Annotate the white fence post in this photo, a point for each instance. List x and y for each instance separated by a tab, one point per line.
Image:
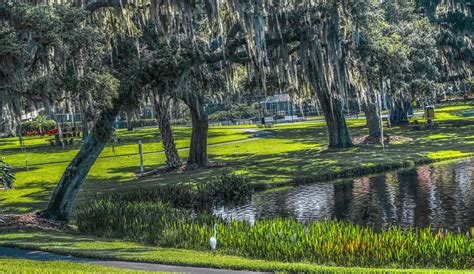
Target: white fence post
140	151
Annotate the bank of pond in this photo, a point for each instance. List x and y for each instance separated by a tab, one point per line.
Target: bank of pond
417	218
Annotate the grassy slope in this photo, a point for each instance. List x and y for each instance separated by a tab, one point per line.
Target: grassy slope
30	266
102	248
296	153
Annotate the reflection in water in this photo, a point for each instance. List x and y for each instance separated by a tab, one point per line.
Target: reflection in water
440	196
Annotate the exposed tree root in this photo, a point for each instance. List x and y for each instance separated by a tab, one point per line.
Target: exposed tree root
31	220
371	140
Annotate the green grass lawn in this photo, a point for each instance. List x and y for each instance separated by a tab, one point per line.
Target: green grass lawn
297	153
103	248
30	266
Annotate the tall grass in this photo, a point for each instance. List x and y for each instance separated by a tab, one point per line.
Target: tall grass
326	242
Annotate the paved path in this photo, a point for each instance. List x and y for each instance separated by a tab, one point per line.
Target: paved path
45	256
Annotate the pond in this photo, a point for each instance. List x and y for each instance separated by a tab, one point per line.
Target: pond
440	196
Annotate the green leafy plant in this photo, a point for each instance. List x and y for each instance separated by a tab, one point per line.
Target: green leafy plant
2	217
6	175
40	123
287	240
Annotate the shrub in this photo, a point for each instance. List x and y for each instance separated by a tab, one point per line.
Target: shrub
144	123
6	175
181	121
37	126
179	195
225	189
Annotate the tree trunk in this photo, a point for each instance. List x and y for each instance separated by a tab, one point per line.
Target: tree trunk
198	147
62	200
331	106
84	121
325	71
85	129
128	116
398	112
9	121
372	116
339	136
162	116
15	112
3	123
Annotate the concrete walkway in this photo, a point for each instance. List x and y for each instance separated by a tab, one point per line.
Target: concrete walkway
45	256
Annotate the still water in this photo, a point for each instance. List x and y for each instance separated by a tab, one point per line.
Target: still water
441	196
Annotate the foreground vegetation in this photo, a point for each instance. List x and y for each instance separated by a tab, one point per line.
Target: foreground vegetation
287	240
103	248
297	153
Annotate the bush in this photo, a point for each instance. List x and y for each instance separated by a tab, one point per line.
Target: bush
6	175
144	123
35	126
179	196
234	111
225	189
181	121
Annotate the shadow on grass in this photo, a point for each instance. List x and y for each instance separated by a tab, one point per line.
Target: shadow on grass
271	166
28	201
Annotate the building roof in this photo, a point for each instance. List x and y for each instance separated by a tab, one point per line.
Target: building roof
276	98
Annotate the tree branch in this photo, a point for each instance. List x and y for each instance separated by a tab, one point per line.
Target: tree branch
94	5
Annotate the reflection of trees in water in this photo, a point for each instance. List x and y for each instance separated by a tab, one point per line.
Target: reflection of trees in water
463	177
360	206
446	184
442	196
406	198
384	201
274	204
429	201
373	203
392	189
343	197
427	177
312	202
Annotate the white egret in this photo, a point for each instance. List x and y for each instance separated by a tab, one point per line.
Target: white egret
213	240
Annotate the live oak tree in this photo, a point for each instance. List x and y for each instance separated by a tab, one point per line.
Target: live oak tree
162	104
455	41
394	57
51	44
183	73
413	72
